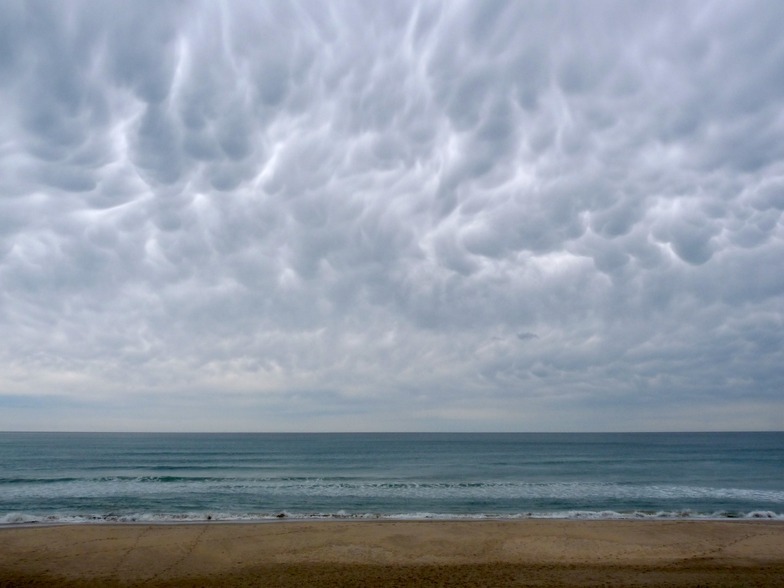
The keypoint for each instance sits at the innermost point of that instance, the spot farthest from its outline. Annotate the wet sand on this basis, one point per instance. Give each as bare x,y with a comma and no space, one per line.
390,553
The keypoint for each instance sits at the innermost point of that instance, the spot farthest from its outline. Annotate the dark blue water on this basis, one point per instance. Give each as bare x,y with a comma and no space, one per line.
125,477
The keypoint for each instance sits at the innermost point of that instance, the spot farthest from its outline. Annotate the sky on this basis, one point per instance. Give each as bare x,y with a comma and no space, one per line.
391,216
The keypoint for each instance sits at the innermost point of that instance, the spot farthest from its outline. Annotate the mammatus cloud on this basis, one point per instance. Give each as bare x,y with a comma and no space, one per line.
443,215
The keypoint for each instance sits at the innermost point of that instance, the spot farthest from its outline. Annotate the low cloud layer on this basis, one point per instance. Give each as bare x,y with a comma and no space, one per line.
391,216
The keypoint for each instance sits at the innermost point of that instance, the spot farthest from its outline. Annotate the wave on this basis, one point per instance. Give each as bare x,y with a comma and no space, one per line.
15,519
340,487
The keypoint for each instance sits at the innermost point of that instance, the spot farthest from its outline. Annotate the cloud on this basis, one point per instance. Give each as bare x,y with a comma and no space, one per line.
539,214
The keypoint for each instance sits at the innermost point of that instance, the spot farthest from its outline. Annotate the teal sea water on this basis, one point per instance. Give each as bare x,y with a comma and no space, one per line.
74,477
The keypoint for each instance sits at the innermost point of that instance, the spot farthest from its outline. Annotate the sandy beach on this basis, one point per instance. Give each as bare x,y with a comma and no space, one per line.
406,553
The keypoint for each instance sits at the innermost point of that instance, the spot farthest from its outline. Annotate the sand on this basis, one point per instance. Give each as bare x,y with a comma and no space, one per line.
391,553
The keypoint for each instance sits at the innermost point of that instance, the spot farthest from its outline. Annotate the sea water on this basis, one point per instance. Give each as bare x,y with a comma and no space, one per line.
96,477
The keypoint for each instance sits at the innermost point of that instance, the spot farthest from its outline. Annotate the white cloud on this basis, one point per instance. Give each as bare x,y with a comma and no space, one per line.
443,215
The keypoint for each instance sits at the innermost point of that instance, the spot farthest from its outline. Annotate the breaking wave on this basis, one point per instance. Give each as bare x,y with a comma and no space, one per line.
201,517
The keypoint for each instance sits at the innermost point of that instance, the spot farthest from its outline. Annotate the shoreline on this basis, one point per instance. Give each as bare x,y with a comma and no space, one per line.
224,518
778,519
530,552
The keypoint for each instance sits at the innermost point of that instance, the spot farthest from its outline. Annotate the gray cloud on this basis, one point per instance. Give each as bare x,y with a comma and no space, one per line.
446,215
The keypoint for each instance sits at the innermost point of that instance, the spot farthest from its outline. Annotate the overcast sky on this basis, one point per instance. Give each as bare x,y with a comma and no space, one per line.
409,215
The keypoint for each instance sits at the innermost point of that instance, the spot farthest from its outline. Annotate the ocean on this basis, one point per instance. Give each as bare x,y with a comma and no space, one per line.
113,477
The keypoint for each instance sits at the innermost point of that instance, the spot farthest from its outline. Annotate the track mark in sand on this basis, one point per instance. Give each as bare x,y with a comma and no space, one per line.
188,552
130,550
714,551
